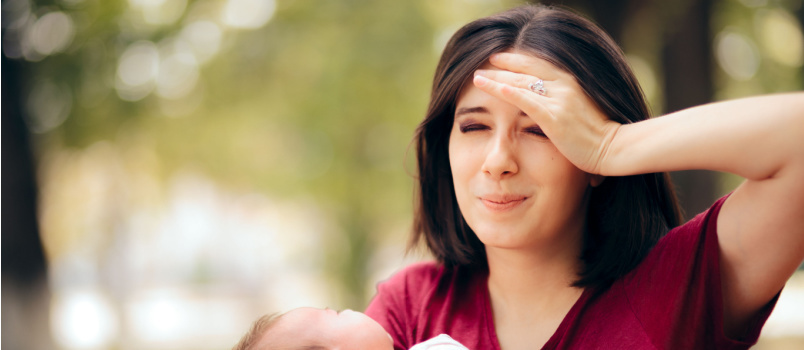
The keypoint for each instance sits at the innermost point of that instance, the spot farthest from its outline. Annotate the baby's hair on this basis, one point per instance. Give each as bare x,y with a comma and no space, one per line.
261,326
258,328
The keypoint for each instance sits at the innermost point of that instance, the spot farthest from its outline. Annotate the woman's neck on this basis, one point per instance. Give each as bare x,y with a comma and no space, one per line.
531,290
533,277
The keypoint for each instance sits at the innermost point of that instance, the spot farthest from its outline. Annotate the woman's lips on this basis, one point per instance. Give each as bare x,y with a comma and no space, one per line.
502,202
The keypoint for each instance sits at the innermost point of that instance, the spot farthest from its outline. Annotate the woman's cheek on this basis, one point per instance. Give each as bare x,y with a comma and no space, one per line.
466,157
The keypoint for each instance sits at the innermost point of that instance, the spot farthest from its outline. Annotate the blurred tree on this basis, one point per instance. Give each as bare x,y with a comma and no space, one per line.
24,271
800,17
319,101
687,70
296,98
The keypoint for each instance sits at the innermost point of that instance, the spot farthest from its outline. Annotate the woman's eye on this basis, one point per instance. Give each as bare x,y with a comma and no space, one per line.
535,130
472,127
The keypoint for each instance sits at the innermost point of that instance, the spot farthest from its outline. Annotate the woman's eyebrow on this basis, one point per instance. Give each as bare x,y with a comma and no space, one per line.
473,110
470,110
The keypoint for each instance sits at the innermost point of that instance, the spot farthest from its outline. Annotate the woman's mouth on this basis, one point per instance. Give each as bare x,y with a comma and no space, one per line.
502,202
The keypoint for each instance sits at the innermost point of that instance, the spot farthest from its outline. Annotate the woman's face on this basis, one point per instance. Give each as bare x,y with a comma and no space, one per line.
345,330
513,187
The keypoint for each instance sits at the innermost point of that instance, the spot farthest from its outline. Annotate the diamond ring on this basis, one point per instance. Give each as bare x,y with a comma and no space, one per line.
538,87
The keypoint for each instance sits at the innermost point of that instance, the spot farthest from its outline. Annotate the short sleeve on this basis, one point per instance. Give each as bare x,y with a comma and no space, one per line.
397,300
676,291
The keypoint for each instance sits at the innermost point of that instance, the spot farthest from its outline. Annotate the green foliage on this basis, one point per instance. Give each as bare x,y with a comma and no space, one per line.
320,101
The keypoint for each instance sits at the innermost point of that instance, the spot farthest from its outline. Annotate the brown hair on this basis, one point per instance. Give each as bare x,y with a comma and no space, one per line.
627,215
261,327
257,329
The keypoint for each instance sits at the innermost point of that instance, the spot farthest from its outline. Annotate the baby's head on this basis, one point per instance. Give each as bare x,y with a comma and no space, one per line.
315,329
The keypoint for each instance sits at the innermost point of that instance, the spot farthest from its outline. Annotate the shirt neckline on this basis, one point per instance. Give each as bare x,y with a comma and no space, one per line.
555,339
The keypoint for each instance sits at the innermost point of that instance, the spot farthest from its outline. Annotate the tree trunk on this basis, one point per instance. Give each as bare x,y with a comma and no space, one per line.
25,298
687,71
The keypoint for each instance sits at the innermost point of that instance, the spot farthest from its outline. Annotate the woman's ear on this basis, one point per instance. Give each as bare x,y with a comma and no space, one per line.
596,180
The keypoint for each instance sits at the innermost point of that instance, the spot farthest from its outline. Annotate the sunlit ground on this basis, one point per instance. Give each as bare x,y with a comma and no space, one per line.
186,317
196,272
182,317
785,327
187,267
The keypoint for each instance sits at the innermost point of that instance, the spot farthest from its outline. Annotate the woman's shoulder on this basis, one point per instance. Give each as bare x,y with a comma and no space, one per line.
425,299
696,230
684,252
683,262
430,278
423,269
676,293
414,278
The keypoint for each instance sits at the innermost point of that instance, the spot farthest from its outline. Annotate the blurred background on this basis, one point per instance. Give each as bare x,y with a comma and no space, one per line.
173,169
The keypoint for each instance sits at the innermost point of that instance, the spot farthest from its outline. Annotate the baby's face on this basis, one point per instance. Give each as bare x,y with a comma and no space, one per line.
345,330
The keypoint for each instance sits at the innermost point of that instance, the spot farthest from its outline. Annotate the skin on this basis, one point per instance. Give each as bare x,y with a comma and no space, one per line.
527,203
508,175
345,330
760,231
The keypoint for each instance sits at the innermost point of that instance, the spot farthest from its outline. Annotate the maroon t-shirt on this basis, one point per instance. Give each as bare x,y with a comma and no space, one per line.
672,300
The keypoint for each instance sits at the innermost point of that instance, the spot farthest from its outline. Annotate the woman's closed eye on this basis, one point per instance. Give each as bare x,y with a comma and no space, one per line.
535,130
472,126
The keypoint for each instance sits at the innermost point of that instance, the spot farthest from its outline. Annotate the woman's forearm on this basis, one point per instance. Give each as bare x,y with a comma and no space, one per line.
752,137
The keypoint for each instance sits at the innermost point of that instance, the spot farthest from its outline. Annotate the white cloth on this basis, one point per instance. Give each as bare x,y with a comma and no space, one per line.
441,342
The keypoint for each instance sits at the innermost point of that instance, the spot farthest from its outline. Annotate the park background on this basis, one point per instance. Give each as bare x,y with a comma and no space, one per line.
173,169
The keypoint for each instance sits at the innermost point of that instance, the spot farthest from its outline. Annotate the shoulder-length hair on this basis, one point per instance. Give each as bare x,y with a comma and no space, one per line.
627,215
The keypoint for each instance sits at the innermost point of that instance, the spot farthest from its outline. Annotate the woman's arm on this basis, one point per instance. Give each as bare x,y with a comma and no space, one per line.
756,138
761,225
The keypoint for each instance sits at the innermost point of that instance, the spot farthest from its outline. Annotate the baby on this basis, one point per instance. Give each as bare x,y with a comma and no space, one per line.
323,329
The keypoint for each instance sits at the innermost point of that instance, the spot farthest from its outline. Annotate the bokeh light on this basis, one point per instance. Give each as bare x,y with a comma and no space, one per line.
737,55
204,38
52,33
178,69
160,12
137,71
248,14
83,319
780,36
48,105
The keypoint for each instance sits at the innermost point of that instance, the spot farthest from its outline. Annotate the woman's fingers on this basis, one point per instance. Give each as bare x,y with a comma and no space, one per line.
526,69
528,101
522,81
526,64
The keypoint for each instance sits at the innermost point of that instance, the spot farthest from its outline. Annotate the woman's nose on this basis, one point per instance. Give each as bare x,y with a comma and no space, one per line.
501,158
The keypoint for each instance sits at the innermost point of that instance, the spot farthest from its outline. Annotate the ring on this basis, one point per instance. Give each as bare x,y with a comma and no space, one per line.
538,87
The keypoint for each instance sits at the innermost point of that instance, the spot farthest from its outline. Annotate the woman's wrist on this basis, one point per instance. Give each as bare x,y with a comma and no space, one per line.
618,156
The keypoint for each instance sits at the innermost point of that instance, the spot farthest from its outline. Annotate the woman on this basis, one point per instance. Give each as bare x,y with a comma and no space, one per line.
544,198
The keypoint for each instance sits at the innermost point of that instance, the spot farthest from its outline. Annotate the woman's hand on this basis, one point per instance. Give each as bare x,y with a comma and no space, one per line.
572,121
